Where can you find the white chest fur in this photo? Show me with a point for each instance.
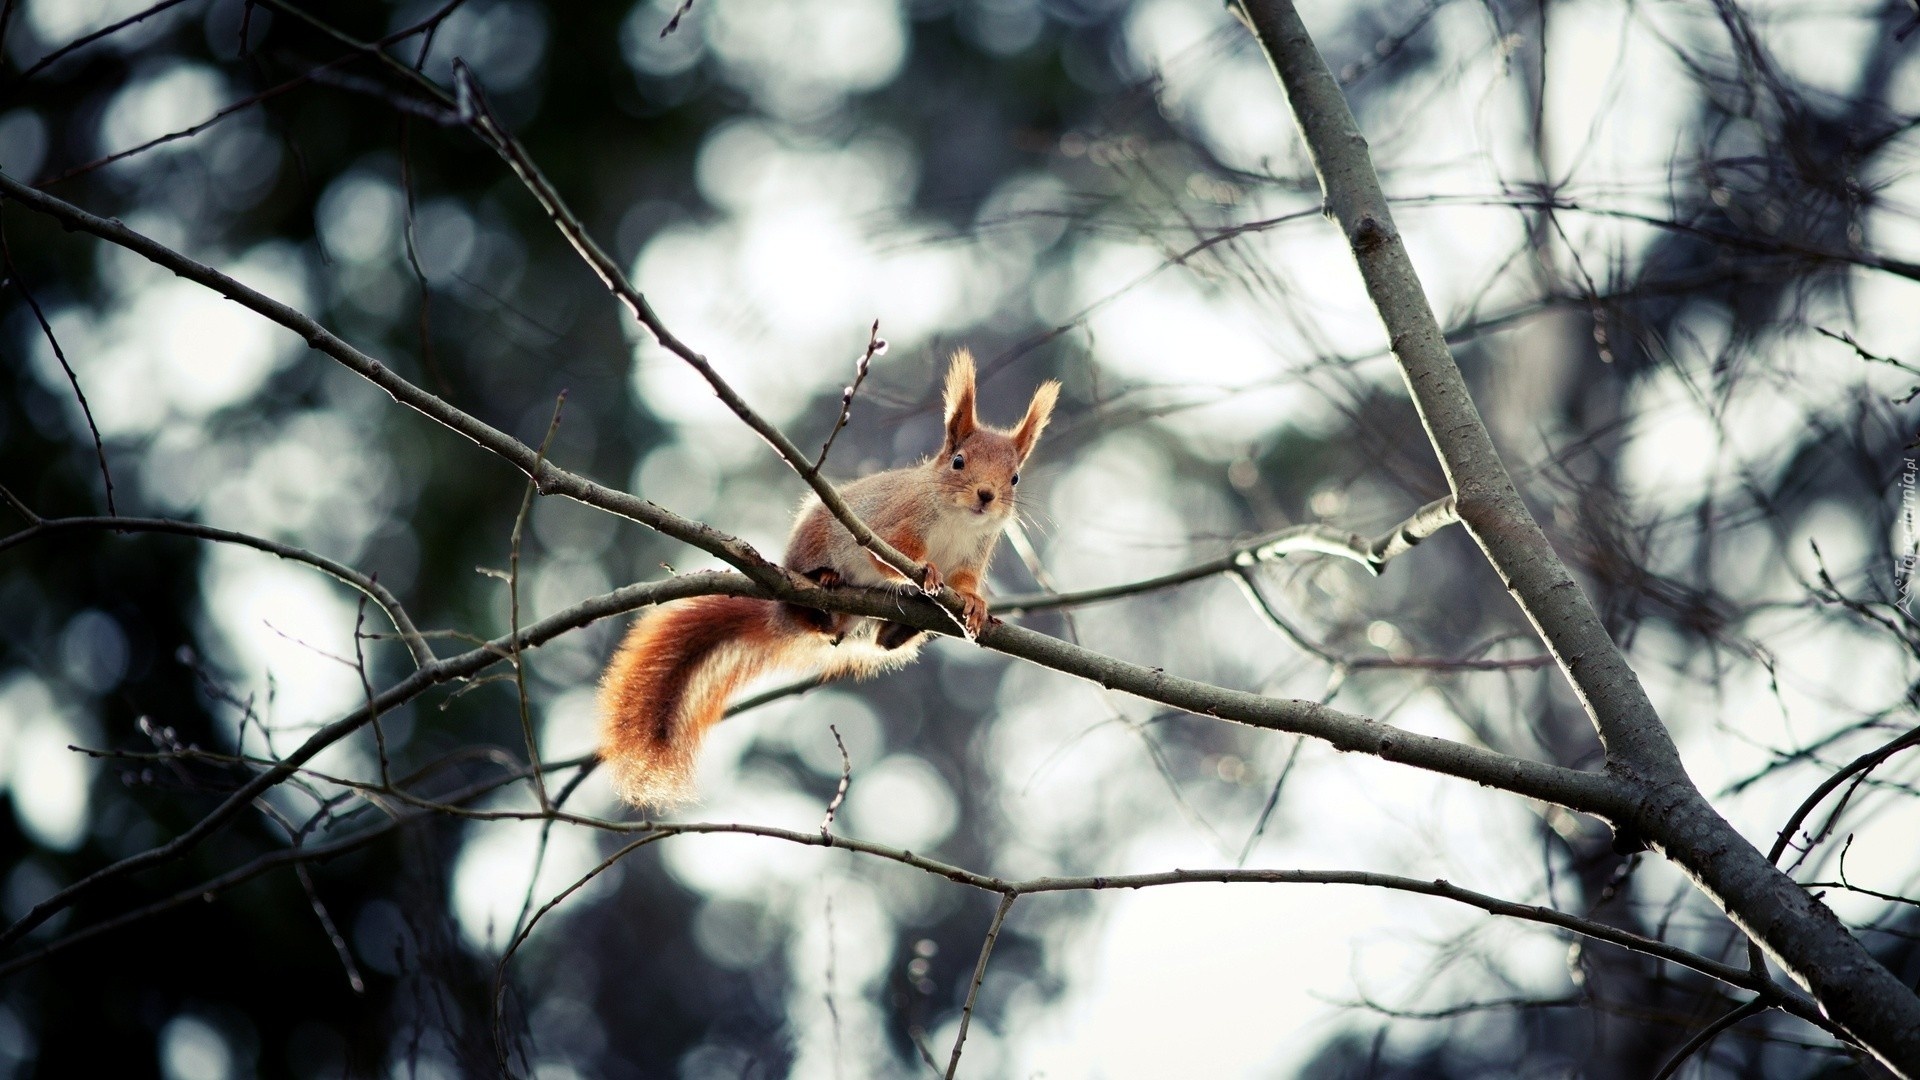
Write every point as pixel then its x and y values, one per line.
pixel 955 540
pixel 961 539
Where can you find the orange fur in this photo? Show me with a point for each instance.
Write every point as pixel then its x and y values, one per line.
pixel 670 680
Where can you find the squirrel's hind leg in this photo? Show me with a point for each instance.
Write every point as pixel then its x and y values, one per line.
pixel 895 635
pixel 829 623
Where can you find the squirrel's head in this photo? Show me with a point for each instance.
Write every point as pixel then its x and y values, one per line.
pixel 979 466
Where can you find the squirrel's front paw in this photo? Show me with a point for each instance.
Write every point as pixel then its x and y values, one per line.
pixel 974 607
pixel 933 581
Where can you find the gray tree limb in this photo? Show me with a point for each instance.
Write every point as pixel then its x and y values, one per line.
pixel 1660 802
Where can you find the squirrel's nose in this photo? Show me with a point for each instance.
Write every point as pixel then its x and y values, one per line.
pixel 986 496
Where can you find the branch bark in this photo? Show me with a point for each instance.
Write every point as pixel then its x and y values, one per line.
pixel 1373 553
pixel 1661 802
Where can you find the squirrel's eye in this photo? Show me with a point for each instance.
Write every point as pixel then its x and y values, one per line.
pixel 1016 479
pixel 959 461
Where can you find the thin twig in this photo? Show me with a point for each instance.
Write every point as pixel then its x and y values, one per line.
pixel 1843 883
pixel 1862 352
pixel 366 688
pixel 523 457
pixel 1858 767
pixel 499 982
pixel 513 602
pixel 1273 800
pixel 55 56
pixel 678 14
pixel 440 671
pixel 19 507
pixel 334 937
pixel 833 1007
pixel 239 875
pixel 1373 553
pixel 1707 1034
pixel 876 346
pixel 224 112
pixel 473 106
pixel 846 780
pixel 46 329
pixel 42 528
pixel 408 234
pixel 979 974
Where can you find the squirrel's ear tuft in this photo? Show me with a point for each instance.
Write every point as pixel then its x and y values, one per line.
pixel 961 420
pixel 1031 425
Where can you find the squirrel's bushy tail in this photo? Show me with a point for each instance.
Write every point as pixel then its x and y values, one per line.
pixel 669 682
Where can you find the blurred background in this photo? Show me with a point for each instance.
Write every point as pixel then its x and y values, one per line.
pixel 1667 241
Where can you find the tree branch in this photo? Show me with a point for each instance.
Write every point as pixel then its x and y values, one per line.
pixel 433 674
pixel 1374 554
pixel 1800 932
pixel 389 604
pixel 552 479
pixel 979 976
pixel 473 106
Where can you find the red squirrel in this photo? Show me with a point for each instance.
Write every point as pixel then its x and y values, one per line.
pixel 671 678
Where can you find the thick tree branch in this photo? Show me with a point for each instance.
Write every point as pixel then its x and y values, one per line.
pixel 1800 932
pixel 1591 793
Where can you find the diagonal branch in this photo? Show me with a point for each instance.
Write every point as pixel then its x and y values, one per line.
pixel 1767 991
pixel 473 106
pixel 979 976
pixel 73 380
pixel 1665 807
pixel 552 479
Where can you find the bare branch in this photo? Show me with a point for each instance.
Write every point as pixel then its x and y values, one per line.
pixel 846 781
pixel 346 575
pixel 1858 767
pixel 73 380
pixel 1374 554
pixel 552 480
pixel 678 14
pixel 1773 993
pixel 440 671
pixel 1856 990
pixel 474 107
pixel 875 346
pixel 19 507
pixel 513 605
pixel 83 41
pixel 1707 1034
pixel 979 975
